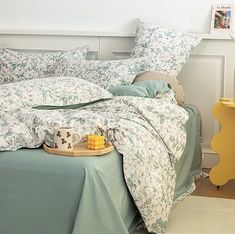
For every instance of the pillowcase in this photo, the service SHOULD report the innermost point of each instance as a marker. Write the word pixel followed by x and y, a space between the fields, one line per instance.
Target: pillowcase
pixel 108 73
pixel 148 88
pixel 16 65
pixel 171 79
pixel 167 50
pixel 69 60
pixel 65 91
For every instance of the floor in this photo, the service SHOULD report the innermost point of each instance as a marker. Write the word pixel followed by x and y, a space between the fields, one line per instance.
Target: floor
pixel 200 215
pixel 207 189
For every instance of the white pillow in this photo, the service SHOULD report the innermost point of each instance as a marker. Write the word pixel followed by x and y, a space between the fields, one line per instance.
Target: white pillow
pixel 65 91
pixel 108 73
pixel 167 50
pixel 17 65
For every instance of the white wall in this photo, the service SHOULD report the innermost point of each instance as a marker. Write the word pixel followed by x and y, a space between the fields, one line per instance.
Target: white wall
pixel 105 15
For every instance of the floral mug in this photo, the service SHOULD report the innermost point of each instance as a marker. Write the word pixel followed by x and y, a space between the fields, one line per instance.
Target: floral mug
pixel 65 138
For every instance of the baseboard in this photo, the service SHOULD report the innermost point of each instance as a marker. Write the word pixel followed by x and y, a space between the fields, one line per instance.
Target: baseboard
pixel 209 158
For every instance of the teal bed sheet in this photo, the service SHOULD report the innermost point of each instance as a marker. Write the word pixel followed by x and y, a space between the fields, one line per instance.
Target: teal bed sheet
pixel 189 165
pixel 47 194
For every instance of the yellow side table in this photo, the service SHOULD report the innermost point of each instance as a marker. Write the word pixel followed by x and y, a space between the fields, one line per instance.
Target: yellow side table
pixel 224 142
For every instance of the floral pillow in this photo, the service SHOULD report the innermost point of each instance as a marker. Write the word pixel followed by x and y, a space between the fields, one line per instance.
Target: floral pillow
pixel 16 65
pixel 108 73
pixel 46 92
pixel 167 50
pixel 69 60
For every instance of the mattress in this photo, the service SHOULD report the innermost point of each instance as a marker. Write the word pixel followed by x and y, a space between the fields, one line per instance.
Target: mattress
pixel 48 194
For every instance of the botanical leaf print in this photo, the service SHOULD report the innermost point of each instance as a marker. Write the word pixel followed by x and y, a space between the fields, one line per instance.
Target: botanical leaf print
pixel 17 65
pixel 106 73
pixel 149 133
pixel 167 50
pixel 50 92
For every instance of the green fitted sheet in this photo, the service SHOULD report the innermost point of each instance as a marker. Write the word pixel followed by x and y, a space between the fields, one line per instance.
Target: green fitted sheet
pixel 46 194
pixel 189 165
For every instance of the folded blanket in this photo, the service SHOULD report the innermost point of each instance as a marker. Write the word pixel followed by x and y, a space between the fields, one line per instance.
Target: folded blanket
pixel 149 88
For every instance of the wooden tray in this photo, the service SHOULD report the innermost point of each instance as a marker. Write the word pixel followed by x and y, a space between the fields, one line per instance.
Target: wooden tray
pixel 80 150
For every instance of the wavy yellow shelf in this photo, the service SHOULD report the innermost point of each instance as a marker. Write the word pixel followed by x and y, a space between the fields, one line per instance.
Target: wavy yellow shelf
pixel 224 142
pixel 228 102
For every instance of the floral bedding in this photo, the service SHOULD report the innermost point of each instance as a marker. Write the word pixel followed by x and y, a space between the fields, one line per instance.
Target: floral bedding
pixel 149 133
pixel 18 65
pixel 106 73
pixel 65 91
pixel 167 50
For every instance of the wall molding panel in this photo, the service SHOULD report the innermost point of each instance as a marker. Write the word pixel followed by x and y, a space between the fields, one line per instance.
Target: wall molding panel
pixel 52 32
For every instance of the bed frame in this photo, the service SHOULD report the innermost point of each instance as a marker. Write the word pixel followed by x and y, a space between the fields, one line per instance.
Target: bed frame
pixel 208 74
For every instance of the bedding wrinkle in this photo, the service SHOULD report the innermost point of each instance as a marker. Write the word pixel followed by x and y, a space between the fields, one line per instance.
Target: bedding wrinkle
pixel 97 199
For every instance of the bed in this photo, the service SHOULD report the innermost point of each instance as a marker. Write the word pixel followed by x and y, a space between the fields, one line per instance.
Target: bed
pixel 42 193
pixel 157 142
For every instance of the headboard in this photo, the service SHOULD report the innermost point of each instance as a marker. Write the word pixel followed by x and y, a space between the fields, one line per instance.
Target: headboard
pixel 106 46
pixel 208 74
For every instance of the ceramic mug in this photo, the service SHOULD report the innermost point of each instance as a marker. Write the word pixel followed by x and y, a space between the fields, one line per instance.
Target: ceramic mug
pixel 65 138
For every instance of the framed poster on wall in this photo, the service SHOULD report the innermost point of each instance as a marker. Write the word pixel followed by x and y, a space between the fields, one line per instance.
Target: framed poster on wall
pixel 222 18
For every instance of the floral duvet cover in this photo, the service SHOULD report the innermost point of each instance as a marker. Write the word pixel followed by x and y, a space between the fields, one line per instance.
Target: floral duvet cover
pixel 149 133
